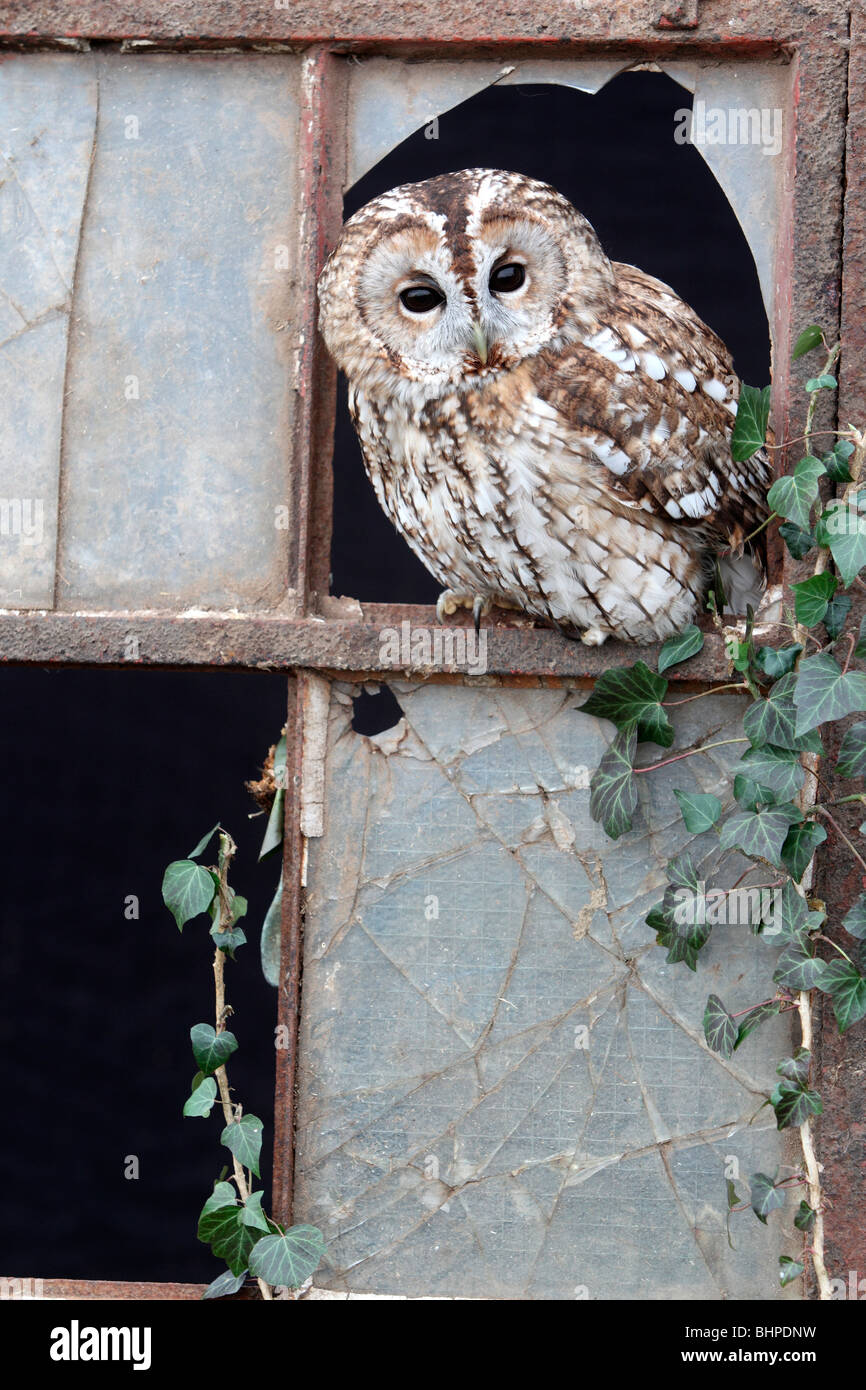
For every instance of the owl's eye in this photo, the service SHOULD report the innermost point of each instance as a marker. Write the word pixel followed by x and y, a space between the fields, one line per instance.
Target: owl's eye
pixel 506 278
pixel 420 299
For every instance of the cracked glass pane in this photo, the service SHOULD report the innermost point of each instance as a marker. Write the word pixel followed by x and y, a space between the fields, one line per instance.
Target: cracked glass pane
pixel 504 1089
pixel 148 211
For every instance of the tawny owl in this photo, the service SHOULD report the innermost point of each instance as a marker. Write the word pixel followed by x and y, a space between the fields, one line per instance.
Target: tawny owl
pixel 549 430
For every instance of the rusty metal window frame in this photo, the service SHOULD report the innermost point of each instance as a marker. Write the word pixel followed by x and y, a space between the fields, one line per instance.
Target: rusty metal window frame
pixel 820 278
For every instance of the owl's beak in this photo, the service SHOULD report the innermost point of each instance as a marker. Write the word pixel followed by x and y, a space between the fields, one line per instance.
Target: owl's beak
pixel 480 340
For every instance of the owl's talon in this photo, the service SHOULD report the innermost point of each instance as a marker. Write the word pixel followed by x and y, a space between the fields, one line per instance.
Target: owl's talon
pixel 447 603
pixel 595 636
pixel 451 599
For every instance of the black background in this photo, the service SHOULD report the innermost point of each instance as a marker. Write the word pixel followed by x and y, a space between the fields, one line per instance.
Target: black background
pixel 109 775
pixel 653 203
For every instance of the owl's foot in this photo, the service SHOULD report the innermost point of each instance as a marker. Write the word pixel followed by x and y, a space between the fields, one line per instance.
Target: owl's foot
pixel 595 636
pixel 451 599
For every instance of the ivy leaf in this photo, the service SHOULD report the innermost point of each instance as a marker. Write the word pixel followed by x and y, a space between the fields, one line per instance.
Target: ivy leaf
pixel 682 872
pixel 613 789
pixel 794 494
pixel 805 1218
pixel 225 1284
pixel 793 1103
pixel 700 810
pixel 252 1214
pixel 800 844
pixel 229 941
pixel 810 338
pixel 776 768
pixel 811 597
pixel 220 1226
pixel 836 462
pixel 798 541
pixel 720 1030
pixel 789 1270
pixel 843 528
pixel 681 947
pixel 680 647
pixel 796 1068
pixel 854 921
pixel 847 987
pixel 759 834
pixel 823 692
pixel 773 720
pixel 777 661
pixel 738 653
pixel 755 1017
pixel 274 830
pixel 270 940
pixel 273 837
pixel 187 890
pixel 764 1196
pixel 798 967
pixel 750 426
pixel 211 1050
pixel 852 755
pixel 244 1138
pixel 223 1195
pixel 824 382
pixel 230 937
pixel 631 696
pixel 751 795
pixel 684 909
pixel 235 901
pixel 200 1103
pixel 790 912
pixel 837 612
pixel 779 918
pixel 194 853
pixel 290 1258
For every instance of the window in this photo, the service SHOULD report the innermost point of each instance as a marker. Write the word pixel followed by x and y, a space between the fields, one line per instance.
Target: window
pixel 169 502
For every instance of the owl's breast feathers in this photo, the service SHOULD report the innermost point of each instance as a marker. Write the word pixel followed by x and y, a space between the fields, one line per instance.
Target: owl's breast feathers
pixel 587 484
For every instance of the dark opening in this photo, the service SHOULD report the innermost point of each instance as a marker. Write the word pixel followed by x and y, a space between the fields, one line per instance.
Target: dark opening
pixel 653 203
pixel 374 713
pixel 110 775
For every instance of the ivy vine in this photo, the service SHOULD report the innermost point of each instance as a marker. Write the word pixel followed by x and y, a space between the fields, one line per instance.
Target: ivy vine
pixel 233 1221
pixel 778 818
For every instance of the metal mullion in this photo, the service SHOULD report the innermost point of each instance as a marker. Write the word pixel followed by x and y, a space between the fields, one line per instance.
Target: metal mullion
pixel 321 172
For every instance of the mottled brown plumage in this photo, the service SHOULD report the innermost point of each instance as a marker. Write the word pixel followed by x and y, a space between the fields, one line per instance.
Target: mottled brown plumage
pixel 547 429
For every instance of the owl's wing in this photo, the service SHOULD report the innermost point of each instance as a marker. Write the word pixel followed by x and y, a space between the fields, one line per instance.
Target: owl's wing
pixel 652 396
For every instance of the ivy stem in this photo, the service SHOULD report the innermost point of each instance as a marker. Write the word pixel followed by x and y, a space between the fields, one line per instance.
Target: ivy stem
pixel 813 1172
pixel 737 685
pixel 819 936
pixel 807 798
pixel 832 358
pixel 689 753
pixel 822 810
pixel 852 638
pixel 758 529
pixel 754 1006
pixel 801 438
pixel 228 849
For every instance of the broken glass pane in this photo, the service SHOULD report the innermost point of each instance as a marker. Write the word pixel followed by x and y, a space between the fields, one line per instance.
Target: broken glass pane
pixel 504 1088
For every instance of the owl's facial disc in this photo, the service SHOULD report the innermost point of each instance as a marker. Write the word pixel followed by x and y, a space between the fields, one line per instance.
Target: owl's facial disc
pixel 520 282
pixel 414 303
